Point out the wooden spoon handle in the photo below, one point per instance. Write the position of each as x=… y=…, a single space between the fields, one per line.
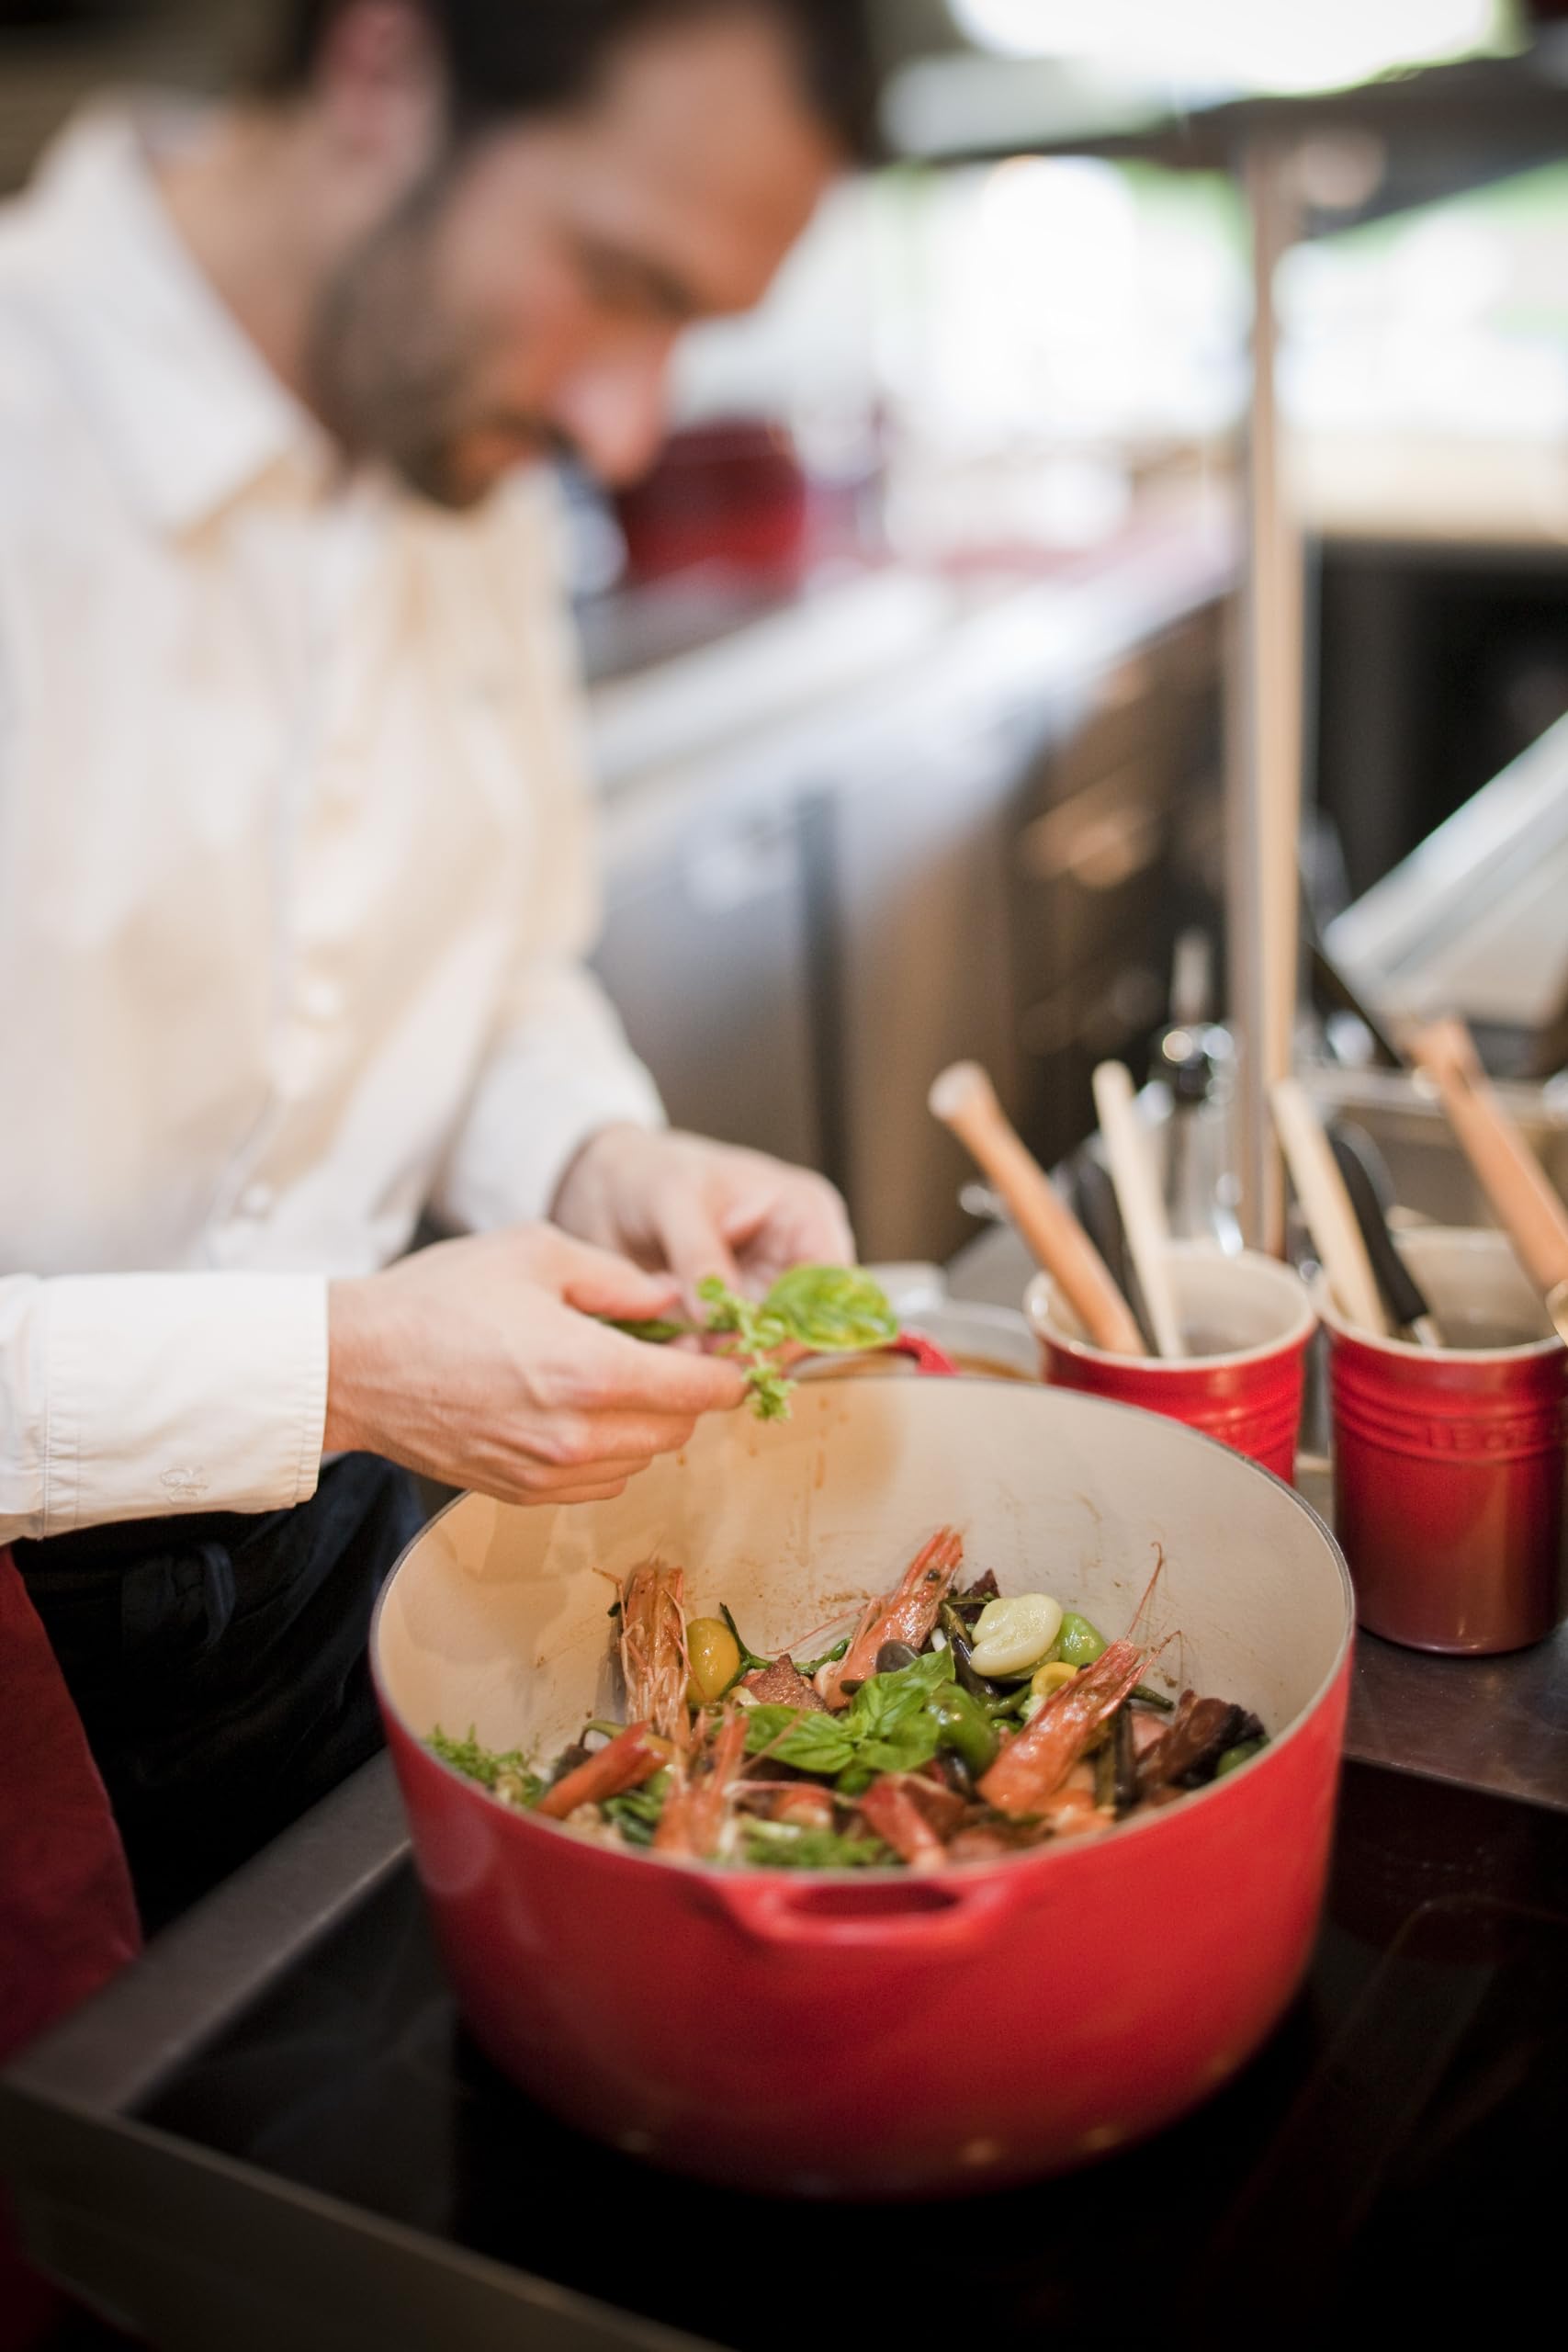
x=1138 y=1197
x=963 y=1098
x=1326 y=1205
x=1507 y=1169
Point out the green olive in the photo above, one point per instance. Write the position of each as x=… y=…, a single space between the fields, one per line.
x=715 y=1656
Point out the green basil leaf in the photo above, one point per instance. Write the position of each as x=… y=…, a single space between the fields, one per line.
x=905 y=1749
x=884 y=1701
x=832 y=1308
x=813 y=1743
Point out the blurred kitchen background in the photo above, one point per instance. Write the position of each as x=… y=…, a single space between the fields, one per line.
x=909 y=664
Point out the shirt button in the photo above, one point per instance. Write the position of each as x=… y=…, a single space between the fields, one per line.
x=256 y=1199
x=319 y=999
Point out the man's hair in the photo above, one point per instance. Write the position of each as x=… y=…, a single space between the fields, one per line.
x=518 y=57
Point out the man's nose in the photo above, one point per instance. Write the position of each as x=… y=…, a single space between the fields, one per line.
x=613 y=412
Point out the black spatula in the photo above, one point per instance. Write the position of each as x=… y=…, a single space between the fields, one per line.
x=1366 y=1180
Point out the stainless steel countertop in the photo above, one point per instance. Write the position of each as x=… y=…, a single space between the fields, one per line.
x=1496 y=1723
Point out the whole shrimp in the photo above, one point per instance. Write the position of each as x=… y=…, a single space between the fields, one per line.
x=906 y=1616
x=696 y=1813
x=653 y=1649
x=1033 y=1767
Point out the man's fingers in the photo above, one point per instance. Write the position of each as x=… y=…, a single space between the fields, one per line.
x=803 y=1224
x=664 y=1383
x=597 y=1281
x=640 y=1436
x=594 y=1494
x=693 y=1244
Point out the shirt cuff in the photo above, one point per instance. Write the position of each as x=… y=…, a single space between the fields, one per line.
x=170 y=1393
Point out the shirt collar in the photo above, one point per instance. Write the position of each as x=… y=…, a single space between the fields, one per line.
x=188 y=406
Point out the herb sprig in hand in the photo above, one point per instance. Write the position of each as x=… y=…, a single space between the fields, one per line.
x=825 y=1310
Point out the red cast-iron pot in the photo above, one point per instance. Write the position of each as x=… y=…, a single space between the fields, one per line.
x=865 y=2033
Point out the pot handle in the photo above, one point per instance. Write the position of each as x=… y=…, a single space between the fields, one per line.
x=929 y=1359
x=907 y=1915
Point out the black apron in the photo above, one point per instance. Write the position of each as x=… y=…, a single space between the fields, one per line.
x=219 y=1663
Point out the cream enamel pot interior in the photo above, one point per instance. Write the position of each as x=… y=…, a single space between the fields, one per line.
x=866 y=2032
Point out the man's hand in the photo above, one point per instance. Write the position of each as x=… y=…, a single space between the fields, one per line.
x=476 y=1362
x=676 y=1202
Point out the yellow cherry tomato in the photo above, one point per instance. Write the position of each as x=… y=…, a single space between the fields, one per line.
x=1052 y=1676
x=714 y=1657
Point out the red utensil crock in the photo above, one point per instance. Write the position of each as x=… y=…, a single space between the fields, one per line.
x=731 y=491
x=794 y=2034
x=1252 y=1316
x=1449 y=1464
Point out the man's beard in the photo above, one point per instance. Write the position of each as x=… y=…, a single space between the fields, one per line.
x=391 y=375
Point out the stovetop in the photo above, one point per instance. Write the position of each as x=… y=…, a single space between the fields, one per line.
x=1390 y=2133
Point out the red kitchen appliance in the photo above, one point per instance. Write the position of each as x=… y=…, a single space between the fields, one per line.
x=730 y=492
x=867 y=2033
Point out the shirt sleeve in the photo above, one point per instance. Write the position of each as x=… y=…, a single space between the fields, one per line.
x=559 y=1067
x=136 y=1395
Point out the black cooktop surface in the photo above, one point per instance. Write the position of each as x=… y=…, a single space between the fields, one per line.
x=1393 y=2150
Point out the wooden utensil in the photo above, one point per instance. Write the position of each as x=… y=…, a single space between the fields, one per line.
x=1325 y=1205
x=1508 y=1171
x=963 y=1098
x=1138 y=1197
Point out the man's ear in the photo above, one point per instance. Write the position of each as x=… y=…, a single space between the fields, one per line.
x=380 y=87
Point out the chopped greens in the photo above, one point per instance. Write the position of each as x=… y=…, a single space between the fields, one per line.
x=635 y=1814
x=798 y=1846
x=486 y=1765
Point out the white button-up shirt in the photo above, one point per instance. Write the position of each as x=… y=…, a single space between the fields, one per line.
x=295 y=868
